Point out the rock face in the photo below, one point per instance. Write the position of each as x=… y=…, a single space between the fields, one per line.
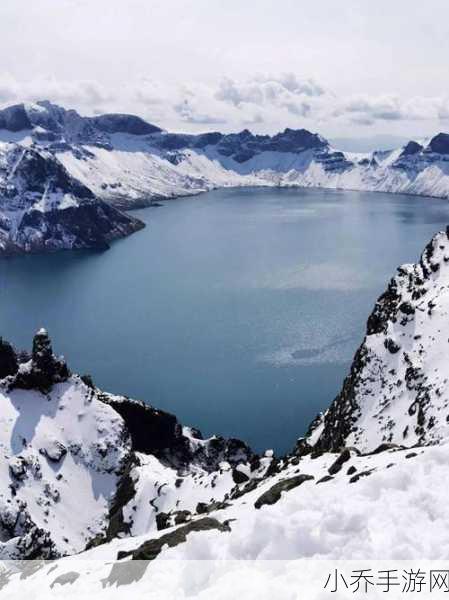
x=440 y=143
x=44 y=370
x=159 y=433
x=398 y=387
x=55 y=124
x=44 y=208
x=8 y=359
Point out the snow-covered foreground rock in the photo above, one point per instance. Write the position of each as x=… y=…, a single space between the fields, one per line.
x=66 y=446
x=169 y=515
x=398 y=388
x=61 y=174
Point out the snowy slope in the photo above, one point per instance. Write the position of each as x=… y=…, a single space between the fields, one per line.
x=398 y=389
x=60 y=449
x=44 y=208
x=395 y=510
x=129 y=163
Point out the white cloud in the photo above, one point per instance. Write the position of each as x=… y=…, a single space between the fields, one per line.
x=265 y=103
x=370 y=110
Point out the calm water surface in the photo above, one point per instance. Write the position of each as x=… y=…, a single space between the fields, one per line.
x=238 y=310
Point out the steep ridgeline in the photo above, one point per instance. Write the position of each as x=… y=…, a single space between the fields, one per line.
x=44 y=208
x=128 y=162
x=398 y=387
x=66 y=445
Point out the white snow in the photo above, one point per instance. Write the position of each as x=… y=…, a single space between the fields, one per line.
x=33 y=429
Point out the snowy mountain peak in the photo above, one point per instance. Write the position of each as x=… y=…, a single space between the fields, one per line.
x=440 y=143
x=54 y=120
x=398 y=387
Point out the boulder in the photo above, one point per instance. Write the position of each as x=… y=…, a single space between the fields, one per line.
x=337 y=465
x=272 y=495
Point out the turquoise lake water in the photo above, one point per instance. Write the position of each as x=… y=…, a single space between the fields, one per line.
x=238 y=310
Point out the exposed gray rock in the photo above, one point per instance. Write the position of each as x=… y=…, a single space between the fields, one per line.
x=272 y=495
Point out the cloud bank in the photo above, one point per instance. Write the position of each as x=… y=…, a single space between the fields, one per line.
x=264 y=102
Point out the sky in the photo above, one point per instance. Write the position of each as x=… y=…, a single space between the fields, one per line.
x=352 y=69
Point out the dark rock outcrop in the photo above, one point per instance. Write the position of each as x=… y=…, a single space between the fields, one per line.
x=151 y=430
x=158 y=432
x=152 y=548
x=440 y=143
x=14 y=118
x=338 y=464
x=57 y=211
x=8 y=359
x=44 y=370
x=272 y=495
x=411 y=148
x=122 y=123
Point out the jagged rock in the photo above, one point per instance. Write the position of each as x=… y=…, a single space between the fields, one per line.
x=411 y=455
x=151 y=549
x=337 y=465
x=54 y=451
x=8 y=359
x=385 y=447
x=18 y=468
x=359 y=475
x=162 y=520
x=272 y=495
x=249 y=487
x=158 y=432
x=391 y=346
x=178 y=517
x=151 y=430
x=325 y=479
x=87 y=379
x=302 y=447
x=395 y=360
x=124 y=494
x=440 y=143
x=202 y=508
x=411 y=148
x=182 y=516
x=45 y=369
x=238 y=476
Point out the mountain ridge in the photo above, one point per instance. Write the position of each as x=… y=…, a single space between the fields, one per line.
x=122 y=162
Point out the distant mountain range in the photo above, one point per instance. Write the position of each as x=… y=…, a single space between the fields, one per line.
x=62 y=175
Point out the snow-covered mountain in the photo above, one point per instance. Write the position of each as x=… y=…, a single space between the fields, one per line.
x=367 y=481
x=63 y=175
x=65 y=444
x=398 y=388
x=127 y=162
x=44 y=208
